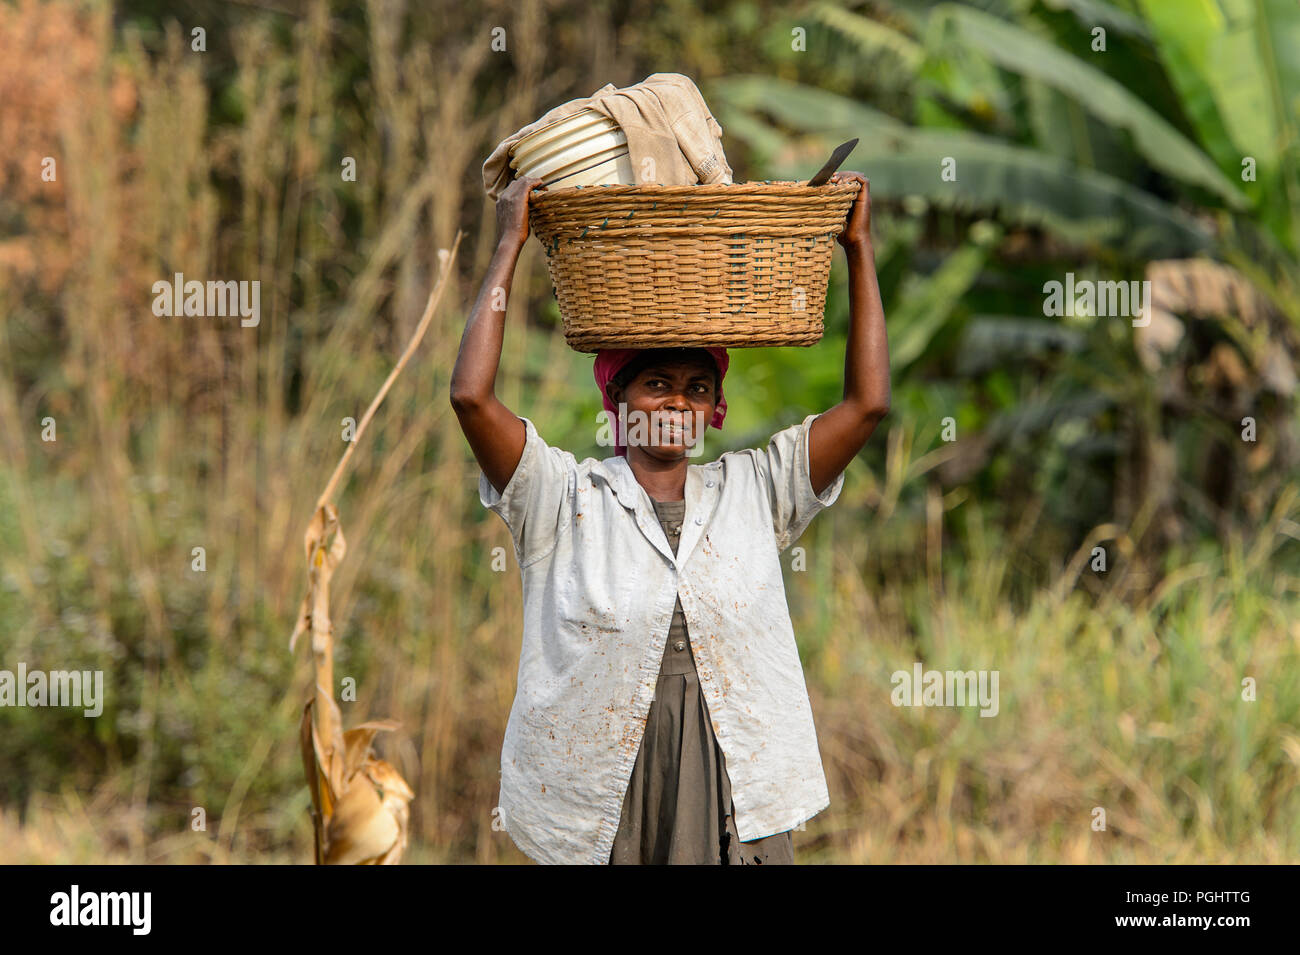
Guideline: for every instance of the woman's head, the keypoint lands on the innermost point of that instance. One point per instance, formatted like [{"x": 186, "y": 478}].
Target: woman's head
[
  {"x": 652, "y": 359},
  {"x": 669, "y": 395}
]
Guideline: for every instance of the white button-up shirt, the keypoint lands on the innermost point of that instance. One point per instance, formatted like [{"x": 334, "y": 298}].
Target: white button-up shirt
[{"x": 600, "y": 582}]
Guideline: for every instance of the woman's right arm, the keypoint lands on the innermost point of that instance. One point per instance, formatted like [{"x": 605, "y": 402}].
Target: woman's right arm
[{"x": 495, "y": 433}]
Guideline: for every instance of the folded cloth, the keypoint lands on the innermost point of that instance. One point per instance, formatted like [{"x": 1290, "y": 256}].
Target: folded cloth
[{"x": 671, "y": 136}]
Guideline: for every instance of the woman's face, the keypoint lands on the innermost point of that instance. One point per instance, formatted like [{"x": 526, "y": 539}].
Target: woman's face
[{"x": 668, "y": 407}]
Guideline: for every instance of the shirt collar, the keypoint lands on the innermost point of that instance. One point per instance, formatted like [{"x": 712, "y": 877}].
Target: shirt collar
[
  {"x": 617, "y": 473},
  {"x": 703, "y": 482}
]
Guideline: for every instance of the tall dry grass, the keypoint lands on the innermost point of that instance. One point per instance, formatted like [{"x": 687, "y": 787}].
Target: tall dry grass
[{"x": 176, "y": 433}]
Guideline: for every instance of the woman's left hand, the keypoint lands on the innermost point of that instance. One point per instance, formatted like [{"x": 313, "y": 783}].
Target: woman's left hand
[{"x": 857, "y": 231}]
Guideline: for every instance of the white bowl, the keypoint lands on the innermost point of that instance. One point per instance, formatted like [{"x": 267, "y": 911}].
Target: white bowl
[
  {"x": 559, "y": 135},
  {"x": 544, "y": 165},
  {"x": 572, "y": 121},
  {"x": 567, "y": 146},
  {"x": 559, "y": 172},
  {"x": 615, "y": 171},
  {"x": 595, "y": 148}
]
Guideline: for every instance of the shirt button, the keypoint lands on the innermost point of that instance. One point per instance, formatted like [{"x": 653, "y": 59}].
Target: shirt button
[
  {"x": 679, "y": 645},
  {"x": 708, "y": 484},
  {"x": 699, "y": 520}
]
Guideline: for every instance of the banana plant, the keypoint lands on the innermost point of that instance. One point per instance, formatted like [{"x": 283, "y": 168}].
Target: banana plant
[
  {"x": 1020, "y": 114},
  {"x": 956, "y": 54},
  {"x": 1089, "y": 137},
  {"x": 1236, "y": 66}
]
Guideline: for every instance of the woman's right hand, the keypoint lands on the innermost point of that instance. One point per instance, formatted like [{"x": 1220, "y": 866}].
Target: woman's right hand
[{"x": 512, "y": 212}]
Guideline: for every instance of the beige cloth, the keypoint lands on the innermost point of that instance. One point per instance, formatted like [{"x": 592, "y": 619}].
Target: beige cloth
[{"x": 665, "y": 119}]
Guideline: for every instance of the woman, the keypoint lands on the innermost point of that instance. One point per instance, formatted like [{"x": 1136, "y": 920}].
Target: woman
[{"x": 661, "y": 713}]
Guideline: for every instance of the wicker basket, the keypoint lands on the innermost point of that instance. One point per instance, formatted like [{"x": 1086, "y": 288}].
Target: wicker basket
[{"x": 649, "y": 266}]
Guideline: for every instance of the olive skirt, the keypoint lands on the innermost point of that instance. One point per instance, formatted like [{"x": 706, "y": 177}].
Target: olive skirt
[{"x": 678, "y": 809}]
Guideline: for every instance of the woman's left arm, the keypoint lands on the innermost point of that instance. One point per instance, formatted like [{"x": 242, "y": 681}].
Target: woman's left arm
[{"x": 837, "y": 435}]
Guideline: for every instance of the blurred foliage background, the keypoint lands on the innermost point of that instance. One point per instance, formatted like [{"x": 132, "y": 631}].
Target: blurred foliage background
[{"x": 1163, "y": 147}]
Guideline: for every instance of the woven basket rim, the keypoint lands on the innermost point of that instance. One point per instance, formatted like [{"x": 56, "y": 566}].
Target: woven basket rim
[{"x": 776, "y": 186}]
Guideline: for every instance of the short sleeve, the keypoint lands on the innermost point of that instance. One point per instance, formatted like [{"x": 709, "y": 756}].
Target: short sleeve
[
  {"x": 789, "y": 483},
  {"x": 534, "y": 499}
]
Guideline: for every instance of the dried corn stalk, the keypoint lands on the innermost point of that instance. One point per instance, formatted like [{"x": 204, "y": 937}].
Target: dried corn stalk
[{"x": 360, "y": 804}]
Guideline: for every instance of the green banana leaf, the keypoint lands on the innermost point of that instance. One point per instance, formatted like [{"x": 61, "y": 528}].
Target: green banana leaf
[
  {"x": 1019, "y": 185},
  {"x": 1021, "y": 51}
]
